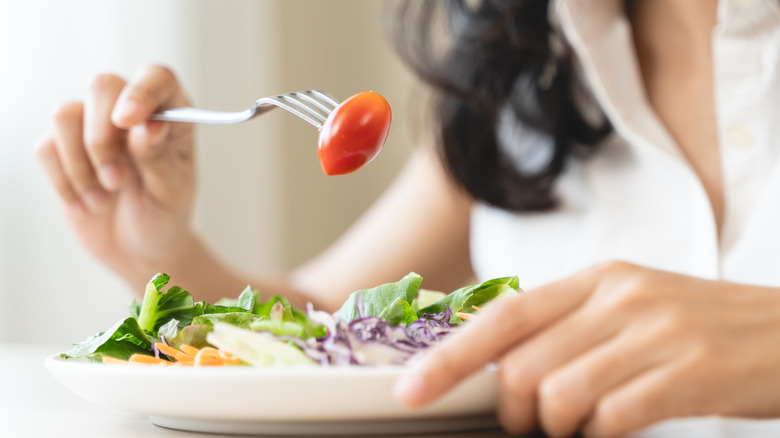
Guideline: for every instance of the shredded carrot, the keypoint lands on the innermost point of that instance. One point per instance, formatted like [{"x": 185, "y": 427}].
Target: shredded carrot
[
  {"x": 466, "y": 316},
  {"x": 188, "y": 350},
  {"x": 188, "y": 356},
  {"x": 170, "y": 351},
  {"x": 144, "y": 358},
  {"x": 228, "y": 358},
  {"x": 208, "y": 356},
  {"x": 174, "y": 353}
]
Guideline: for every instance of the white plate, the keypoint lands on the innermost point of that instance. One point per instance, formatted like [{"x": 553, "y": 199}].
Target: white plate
[{"x": 286, "y": 401}]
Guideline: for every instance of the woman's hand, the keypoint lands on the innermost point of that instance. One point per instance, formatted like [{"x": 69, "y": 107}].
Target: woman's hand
[
  {"x": 127, "y": 183},
  {"x": 616, "y": 348}
]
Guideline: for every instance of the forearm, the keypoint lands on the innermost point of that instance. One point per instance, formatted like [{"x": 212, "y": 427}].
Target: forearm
[{"x": 420, "y": 224}]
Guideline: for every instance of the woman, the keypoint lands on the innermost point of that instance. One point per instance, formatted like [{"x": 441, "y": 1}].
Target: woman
[{"x": 617, "y": 156}]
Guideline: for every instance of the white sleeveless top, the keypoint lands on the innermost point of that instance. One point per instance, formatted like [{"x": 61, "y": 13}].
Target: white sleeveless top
[{"x": 637, "y": 199}]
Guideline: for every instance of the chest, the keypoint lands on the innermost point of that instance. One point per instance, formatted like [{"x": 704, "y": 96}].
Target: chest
[
  {"x": 633, "y": 204},
  {"x": 679, "y": 87}
]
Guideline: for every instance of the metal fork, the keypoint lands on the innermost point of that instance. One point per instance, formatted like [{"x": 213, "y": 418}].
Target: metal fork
[{"x": 314, "y": 106}]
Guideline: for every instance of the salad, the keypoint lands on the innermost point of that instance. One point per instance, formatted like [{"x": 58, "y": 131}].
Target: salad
[{"x": 384, "y": 325}]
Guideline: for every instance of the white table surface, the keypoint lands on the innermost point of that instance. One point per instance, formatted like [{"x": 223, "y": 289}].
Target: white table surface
[{"x": 33, "y": 404}]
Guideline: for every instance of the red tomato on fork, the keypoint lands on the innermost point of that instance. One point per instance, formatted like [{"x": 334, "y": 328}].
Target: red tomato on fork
[{"x": 354, "y": 133}]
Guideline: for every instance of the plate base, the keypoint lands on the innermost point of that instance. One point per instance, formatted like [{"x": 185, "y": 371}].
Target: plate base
[{"x": 326, "y": 428}]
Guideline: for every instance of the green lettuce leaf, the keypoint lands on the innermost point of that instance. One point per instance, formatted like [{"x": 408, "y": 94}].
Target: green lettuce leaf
[
  {"x": 425, "y": 298},
  {"x": 169, "y": 330},
  {"x": 289, "y": 314},
  {"x": 256, "y": 348},
  {"x": 264, "y": 309},
  {"x": 409, "y": 315},
  {"x": 194, "y": 335},
  {"x": 247, "y": 300},
  {"x": 394, "y": 312},
  {"x": 385, "y": 299},
  {"x": 238, "y": 319},
  {"x": 478, "y": 295},
  {"x": 281, "y": 328}
]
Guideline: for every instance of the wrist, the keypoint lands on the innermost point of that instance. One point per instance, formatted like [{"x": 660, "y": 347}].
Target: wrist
[{"x": 174, "y": 262}]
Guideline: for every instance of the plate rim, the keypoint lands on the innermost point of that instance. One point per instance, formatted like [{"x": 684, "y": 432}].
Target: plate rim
[{"x": 122, "y": 387}]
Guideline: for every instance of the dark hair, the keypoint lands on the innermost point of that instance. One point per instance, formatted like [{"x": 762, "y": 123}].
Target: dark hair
[{"x": 499, "y": 54}]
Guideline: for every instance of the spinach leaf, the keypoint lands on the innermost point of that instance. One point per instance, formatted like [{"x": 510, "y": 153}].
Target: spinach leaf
[
  {"x": 159, "y": 306},
  {"x": 121, "y": 340}
]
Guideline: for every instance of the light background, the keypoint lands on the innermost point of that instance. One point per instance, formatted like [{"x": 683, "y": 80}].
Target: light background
[{"x": 263, "y": 203}]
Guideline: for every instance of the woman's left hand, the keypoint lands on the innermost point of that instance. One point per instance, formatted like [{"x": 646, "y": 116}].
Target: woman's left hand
[{"x": 616, "y": 348}]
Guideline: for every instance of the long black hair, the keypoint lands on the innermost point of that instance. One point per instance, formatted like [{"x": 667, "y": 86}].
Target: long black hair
[{"x": 485, "y": 59}]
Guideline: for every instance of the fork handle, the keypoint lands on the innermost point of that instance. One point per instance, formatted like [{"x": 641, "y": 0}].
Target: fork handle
[{"x": 197, "y": 115}]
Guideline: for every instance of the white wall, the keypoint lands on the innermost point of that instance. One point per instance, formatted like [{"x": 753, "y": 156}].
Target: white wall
[
  {"x": 252, "y": 183},
  {"x": 345, "y": 52}
]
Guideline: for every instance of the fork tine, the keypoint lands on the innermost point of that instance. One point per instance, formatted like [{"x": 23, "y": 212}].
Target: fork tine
[
  {"x": 332, "y": 101},
  {"x": 317, "y": 113},
  {"x": 305, "y": 95},
  {"x": 308, "y": 104},
  {"x": 294, "y": 106}
]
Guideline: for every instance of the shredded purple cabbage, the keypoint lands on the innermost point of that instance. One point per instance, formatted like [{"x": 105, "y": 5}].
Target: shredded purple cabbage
[
  {"x": 156, "y": 350},
  {"x": 370, "y": 340}
]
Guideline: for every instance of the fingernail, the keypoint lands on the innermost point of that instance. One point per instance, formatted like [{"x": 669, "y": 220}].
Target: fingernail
[
  {"x": 125, "y": 110},
  {"x": 409, "y": 389},
  {"x": 111, "y": 177},
  {"x": 95, "y": 200}
]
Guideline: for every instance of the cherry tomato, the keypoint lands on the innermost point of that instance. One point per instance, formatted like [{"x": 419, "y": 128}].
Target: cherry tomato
[{"x": 354, "y": 133}]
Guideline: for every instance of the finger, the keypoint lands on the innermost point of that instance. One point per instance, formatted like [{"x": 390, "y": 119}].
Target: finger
[
  {"x": 155, "y": 87},
  {"x": 655, "y": 395},
  {"x": 525, "y": 368},
  {"x": 164, "y": 165},
  {"x": 68, "y": 136},
  {"x": 516, "y": 413},
  {"x": 47, "y": 156},
  {"x": 483, "y": 340},
  {"x": 102, "y": 140},
  {"x": 568, "y": 395}
]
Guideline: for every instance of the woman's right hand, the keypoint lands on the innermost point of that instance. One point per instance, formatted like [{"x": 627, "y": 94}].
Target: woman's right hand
[{"x": 127, "y": 182}]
